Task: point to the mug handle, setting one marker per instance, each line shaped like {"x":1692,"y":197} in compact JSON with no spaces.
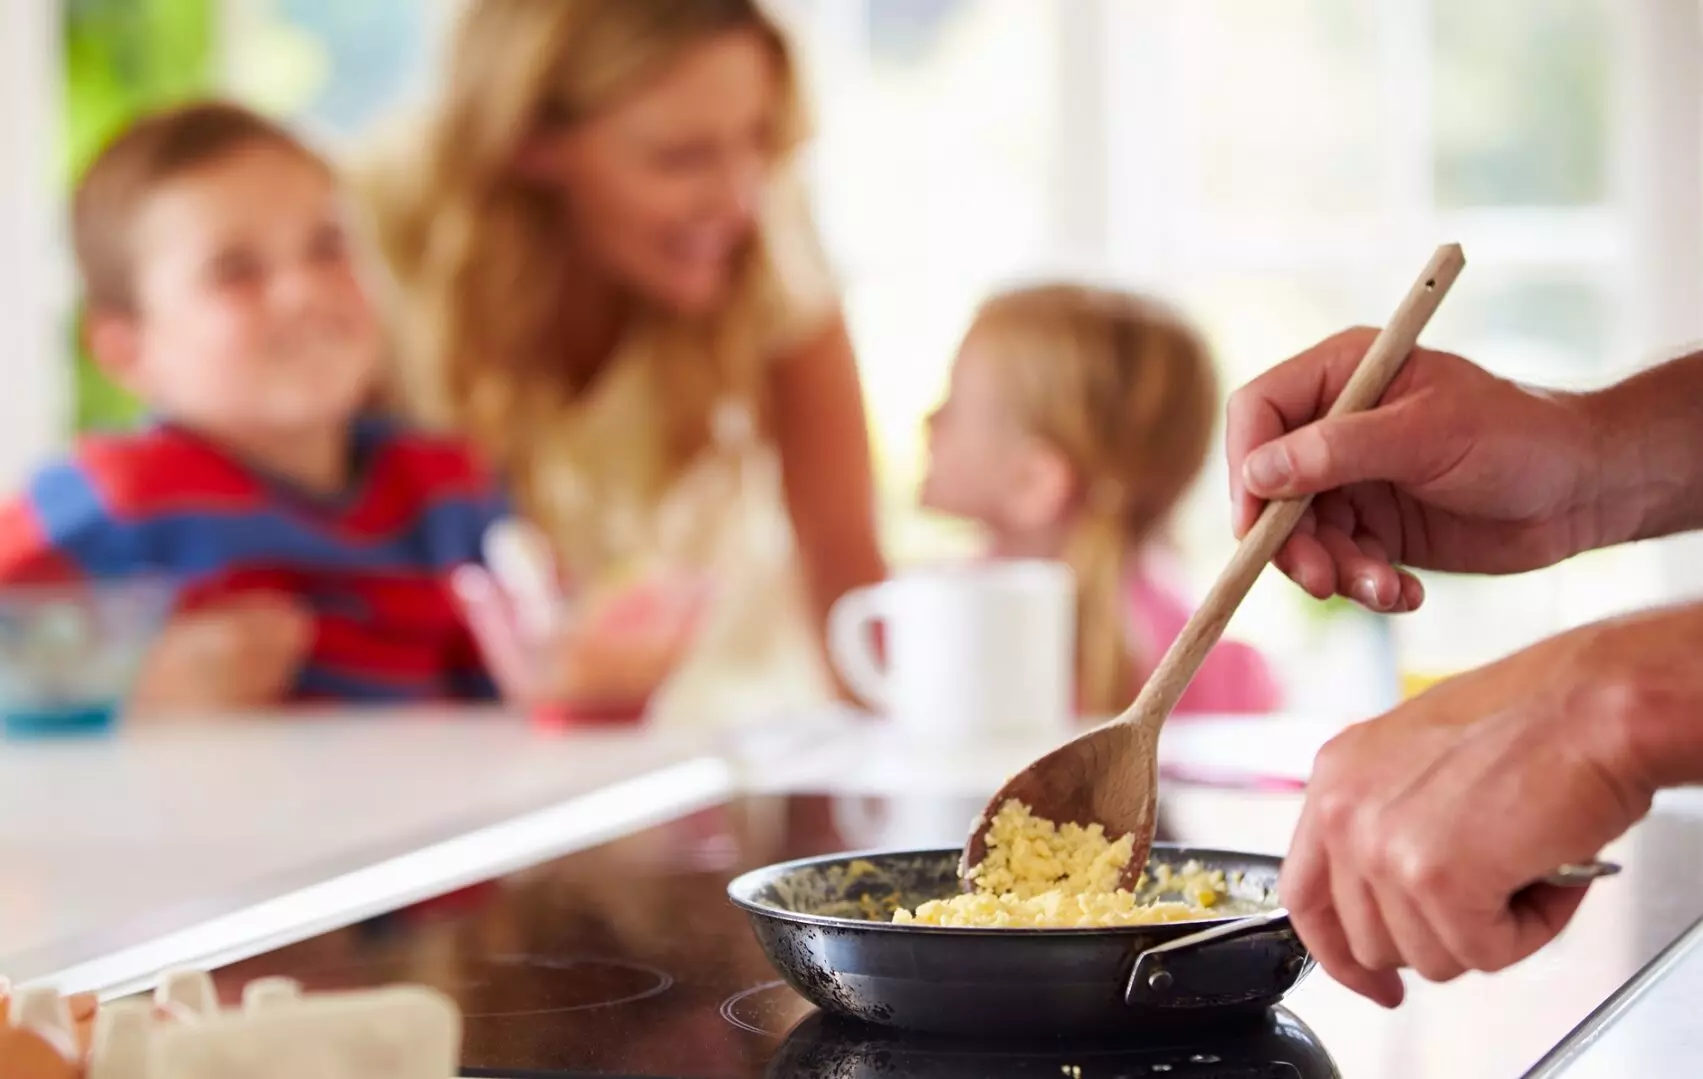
{"x":851,"y":645}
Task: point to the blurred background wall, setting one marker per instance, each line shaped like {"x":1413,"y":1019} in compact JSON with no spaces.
{"x":1279,"y":167}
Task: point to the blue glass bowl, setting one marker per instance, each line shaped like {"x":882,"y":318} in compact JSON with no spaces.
{"x":70,"y":653}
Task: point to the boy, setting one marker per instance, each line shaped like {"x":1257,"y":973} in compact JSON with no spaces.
{"x":222,"y":292}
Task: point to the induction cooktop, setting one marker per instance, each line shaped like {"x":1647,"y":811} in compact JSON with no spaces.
{"x":627,"y":960}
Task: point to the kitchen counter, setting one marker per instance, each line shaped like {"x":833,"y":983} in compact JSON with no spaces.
{"x":206,"y":842}
{"x":194,"y":842}
{"x":1649,"y":1027}
{"x":235,"y":840}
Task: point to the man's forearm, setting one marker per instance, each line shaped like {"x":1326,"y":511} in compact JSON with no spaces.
{"x":1650,"y":444}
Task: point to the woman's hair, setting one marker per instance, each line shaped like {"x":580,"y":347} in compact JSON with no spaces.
{"x":471,"y":247}
{"x":1125,"y":390}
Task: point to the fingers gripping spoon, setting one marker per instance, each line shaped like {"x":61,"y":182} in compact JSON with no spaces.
{"x":1110,"y":775}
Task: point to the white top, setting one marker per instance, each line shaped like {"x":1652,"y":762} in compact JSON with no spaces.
{"x":726,"y":513}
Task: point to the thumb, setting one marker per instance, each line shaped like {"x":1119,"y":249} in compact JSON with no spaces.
{"x":1387,"y":444}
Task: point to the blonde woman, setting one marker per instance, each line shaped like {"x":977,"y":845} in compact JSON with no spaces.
{"x":604,"y":274}
{"x":1075,"y":422}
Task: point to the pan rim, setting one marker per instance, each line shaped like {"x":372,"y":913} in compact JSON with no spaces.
{"x":743,"y":883}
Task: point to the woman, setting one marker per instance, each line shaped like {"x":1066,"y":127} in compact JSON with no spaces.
{"x":605,"y":275}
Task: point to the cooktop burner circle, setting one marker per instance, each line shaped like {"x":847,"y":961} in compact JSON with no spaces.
{"x":771,"y":1009}
{"x":586,"y":982}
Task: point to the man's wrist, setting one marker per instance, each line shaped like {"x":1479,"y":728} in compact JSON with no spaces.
{"x":1646,"y":452}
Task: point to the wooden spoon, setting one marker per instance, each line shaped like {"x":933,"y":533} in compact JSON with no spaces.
{"x":1110,"y":775}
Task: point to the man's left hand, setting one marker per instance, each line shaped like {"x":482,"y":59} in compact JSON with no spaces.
{"x":1424,"y":830}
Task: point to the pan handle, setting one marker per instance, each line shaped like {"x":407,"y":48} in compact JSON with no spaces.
{"x":1149,"y":975}
{"x":1578,"y":874}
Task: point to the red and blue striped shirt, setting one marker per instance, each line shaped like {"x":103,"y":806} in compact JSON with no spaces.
{"x":371,"y":563}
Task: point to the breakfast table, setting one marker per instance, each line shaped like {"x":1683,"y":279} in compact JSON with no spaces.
{"x":226,"y":844}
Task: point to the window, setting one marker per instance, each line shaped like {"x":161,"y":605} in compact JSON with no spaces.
{"x":935,"y":119}
{"x":1281,"y":169}
{"x":337,"y":68}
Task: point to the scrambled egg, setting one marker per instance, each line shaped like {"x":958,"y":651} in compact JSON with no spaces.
{"x":1038,"y":874}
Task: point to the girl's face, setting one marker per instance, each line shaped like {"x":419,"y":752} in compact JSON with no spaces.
{"x":662,"y":190}
{"x":978,"y":450}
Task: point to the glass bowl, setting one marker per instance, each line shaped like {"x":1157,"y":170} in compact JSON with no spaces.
{"x":70,"y":653}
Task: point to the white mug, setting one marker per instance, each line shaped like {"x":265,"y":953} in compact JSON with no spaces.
{"x":978,"y":648}
{"x":904,"y":821}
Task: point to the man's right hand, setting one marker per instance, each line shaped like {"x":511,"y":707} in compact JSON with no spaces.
{"x":1456,"y":470}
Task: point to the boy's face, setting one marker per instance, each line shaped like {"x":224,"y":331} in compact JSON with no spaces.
{"x":249,"y":315}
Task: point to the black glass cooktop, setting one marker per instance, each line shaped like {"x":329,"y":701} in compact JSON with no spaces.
{"x":627,"y":960}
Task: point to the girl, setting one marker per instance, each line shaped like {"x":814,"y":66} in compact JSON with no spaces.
{"x":1076,"y":419}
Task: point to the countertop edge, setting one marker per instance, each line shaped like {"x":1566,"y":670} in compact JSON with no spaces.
{"x":1606,"y":1015}
{"x":462,"y":860}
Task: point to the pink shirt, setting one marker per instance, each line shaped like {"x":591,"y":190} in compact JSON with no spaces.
{"x":1235,"y":678}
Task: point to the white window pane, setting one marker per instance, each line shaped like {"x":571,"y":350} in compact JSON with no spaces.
{"x":1552,"y":328}
{"x":933,"y":178}
{"x":934,"y":143}
{"x":1522,"y":100}
{"x":906,"y":330}
{"x":1282,"y":100}
{"x":1254,"y":320}
{"x":334,"y":66}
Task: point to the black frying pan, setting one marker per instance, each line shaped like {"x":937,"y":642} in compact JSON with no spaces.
{"x":825,"y":925}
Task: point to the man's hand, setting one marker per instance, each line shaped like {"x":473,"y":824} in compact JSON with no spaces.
{"x":239,"y":654}
{"x":1456,"y":470}
{"x":1424,"y":830}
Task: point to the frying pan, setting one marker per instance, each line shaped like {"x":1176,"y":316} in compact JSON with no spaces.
{"x":825,"y":924}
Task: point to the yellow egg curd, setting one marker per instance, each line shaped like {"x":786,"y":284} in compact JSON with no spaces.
{"x":1041,"y":875}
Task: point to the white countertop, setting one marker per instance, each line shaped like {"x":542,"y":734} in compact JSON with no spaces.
{"x":1648,"y":1028}
{"x":245,"y":834}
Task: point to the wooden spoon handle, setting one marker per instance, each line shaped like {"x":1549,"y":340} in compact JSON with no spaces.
{"x":1365,"y":386}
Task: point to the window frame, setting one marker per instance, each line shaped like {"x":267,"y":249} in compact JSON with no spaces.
{"x":34,"y":270}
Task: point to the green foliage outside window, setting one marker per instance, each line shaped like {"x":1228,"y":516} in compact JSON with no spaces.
{"x":123,"y":58}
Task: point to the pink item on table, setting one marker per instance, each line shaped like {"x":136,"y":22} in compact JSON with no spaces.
{"x":515,"y":660}
{"x":624,"y":632}
{"x":1229,"y":779}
